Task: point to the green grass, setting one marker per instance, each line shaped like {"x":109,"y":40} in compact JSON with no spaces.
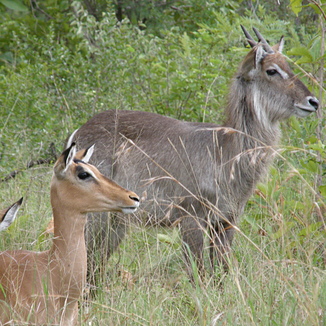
{"x":57,"y":78}
{"x":273,"y":280}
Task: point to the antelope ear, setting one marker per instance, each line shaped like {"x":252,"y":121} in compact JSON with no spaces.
{"x":69,"y":155}
{"x":10,"y":215}
{"x":70,"y":139}
{"x":64,"y":161}
{"x":85,"y":154}
{"x":88,"y":153}
{"x":260,"y":54}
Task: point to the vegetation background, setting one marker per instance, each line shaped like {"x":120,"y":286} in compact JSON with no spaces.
{"x":62,"y":61}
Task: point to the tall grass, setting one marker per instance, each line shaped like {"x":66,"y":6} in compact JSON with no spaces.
{"x":277,"y":265}
{"x":273,"y":279}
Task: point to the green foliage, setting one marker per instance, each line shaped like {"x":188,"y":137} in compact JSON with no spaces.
{"x":59,"y":65}
{"x":75,"y":69}
{"x":16,"y":5}
{"x":296,"y":6}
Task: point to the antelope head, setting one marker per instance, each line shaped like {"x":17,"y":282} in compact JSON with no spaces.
{"x":80,"y":186}
{"x":273,"y":83}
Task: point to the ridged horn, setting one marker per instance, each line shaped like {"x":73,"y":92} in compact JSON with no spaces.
{"x":250,"y":40}
{"x":261,"y":38}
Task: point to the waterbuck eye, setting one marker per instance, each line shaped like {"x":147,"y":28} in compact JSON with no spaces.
{"x":271,"y":72}
{"x":83,"y":175}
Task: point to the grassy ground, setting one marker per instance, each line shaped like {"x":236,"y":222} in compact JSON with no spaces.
{"x":55,"y":83}
{"x":274,"y":279}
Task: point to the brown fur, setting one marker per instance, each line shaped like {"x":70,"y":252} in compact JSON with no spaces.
{"x":44,"y":287}
{"x":198,"y":175}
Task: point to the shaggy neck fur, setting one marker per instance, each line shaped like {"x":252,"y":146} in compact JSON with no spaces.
{"x":251,"y":137}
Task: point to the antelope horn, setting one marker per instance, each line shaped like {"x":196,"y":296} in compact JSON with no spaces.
{"x":261,"y":38}
{"x":250,"y":40}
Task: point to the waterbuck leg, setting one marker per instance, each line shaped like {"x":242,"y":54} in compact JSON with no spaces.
{"x":221,"y":236}
{"x":193,"y":242}
{"x":103,"y":235}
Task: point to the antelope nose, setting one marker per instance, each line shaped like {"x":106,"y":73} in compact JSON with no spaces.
{"x":134,"y":198}
{"x":314,"y":102}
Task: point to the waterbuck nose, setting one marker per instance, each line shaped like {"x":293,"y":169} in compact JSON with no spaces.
{"x":313,"y":102}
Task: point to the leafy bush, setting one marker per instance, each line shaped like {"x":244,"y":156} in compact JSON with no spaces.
{"x":59,"y":65}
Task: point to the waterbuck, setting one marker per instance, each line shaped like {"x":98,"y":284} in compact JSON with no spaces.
{"x":198,"y":176}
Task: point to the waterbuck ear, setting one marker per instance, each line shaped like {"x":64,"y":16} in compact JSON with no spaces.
{"x":64,"y":161}
{"x":260,"y":54}
{"x":279,"y":46}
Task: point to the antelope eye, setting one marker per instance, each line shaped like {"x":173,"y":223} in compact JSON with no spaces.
{"x":271,"y":72}
{"x":83,"y":175}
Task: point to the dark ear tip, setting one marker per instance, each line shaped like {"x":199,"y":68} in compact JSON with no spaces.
{"x":67,"y":151}
{"x":89,"y":147}
{"x":19,"y":202}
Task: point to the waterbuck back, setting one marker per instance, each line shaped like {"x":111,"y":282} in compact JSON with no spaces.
{"x":198,"y":175}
